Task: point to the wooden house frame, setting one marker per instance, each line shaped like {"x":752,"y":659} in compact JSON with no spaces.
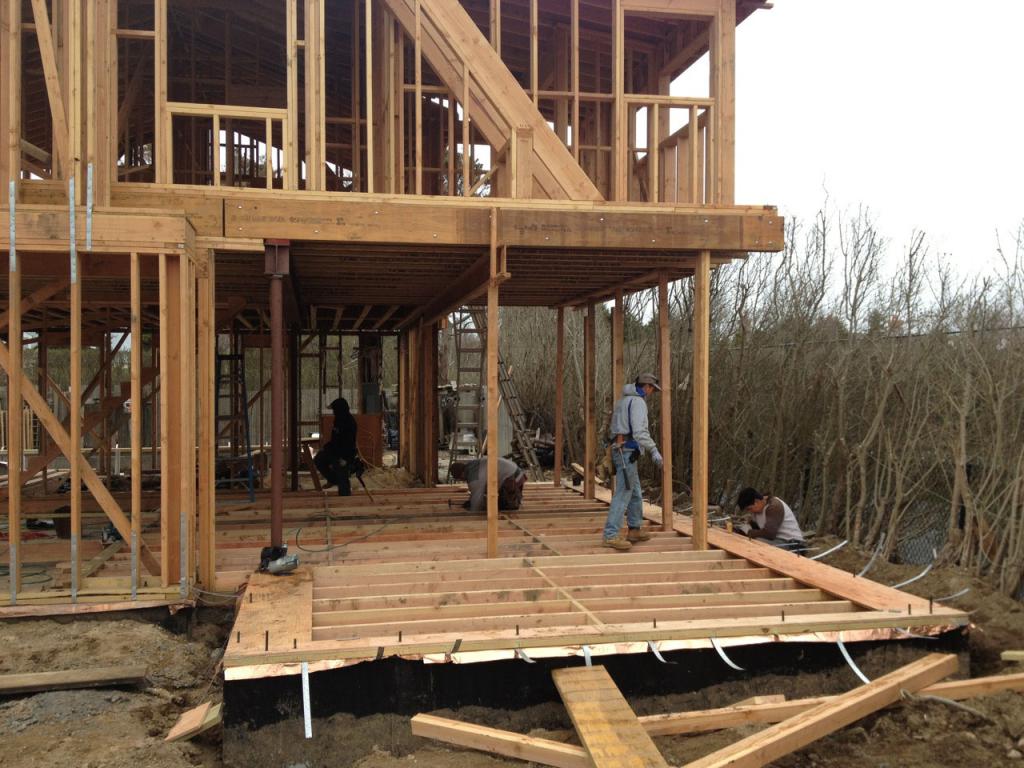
{"x":175,"y":170}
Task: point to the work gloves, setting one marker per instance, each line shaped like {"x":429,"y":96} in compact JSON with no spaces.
{"x":657,"y":458}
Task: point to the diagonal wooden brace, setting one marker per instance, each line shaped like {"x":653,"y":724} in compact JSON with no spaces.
{"x":92,"y":481}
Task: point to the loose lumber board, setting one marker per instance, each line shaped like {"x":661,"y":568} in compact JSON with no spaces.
{"x":98,"y":677}
{"x":604,"y":721}
{"x":757,"y":709}
{"x":194,"y":721}
{"x":1012,"y":656}
{"x":802,"y":729}
{"x":507,"y":743}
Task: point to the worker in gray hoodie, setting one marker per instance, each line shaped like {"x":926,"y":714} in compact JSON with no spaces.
{"x":630,"y":438}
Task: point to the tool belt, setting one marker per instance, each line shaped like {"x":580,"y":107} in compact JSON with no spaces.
{"x":619,"y":443}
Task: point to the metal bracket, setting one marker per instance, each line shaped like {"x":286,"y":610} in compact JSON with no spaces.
{"x":726,"y":659}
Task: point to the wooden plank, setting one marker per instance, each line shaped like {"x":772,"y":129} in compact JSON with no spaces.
{"x":802,"y":729}
{"x":746,"y":713}
{"x":607,"y":727}
{"x":1012,"y":656}
{"x":493,"y":740}
{"x":194,"y":721}
{"x":99,"y":677}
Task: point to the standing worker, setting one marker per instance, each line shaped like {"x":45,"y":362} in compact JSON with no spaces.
{"x":630,"y":438}
{"x":511,"y":480}
{"x":338,"y":459}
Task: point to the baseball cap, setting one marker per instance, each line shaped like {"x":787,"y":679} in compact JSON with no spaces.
{"x":649,"y":378}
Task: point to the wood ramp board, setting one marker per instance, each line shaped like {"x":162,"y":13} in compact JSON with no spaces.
{"x":98,"y":677}
{"x":194,"y":721}
{"x":800,"y":730}
{"x":498,"y":742}
{"x":1017,"y":656}
{"x":604,"y":721}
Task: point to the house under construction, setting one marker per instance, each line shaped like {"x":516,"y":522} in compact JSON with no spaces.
{"x":199,"y":181}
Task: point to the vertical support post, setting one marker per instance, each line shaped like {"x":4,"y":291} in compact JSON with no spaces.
{"x":418,"y":106}
{"x":10,"y":94}
{"x":467,"y":180}
{"x":136,"y":418}
{"x":291,"y":129}
{"x":75,"y":96}
{"x":170,"y":418}
{"x":493,"y":394}
{"x":559,"y":396}
{"x":404,"y":385}
{"x":620,"y":148}
{"x":665,"y":375}
{"x":618,"y":344}
{"x":14,"y":405}
{"x":368,"y":26}
{"x":187,"y":417}
{"x":534,"y":66}
{"x":276,"y":258}
{"x":163,"y":155}
{"x":575,"y":23}
{"x":315,"y":106}
{"x":294,"y":405}
{"x":701,"y":364}
{"x":75,"y":395}
{"x":206,"y":351}
{"x":723,"y":90}
{"x":590,"y":431}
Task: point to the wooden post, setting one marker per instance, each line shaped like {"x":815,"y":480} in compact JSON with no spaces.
{"x":403,"y":399}
{"x":701,"y":363}
{"x":618,"y":342}
{"x":14,"y":419}
{"x":559,"y":396}
{"x":75,"y":396}
{"x":369,"y":95}
{"x":723,"y":90}
{"x":163,"y":158}
{"x":665,"y":376}
{"x":136,"y":418}
{"x":187,"y":398}
{"x":418,"y":106}
{"x":590,"y":432}
{"x":207,"y":426}
{"x":316,"y":125}
{"x":10,"y":95}
{"x":493,"y":394}
{"x":291,"y":130}
{"x":170,"y":418}
{"x":620,"y":144}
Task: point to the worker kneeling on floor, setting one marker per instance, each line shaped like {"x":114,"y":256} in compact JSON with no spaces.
{"x":630,"y":439}
{"x":511,"y":480}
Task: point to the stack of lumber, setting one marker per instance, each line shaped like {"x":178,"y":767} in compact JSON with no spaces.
{"x":612,"y":735}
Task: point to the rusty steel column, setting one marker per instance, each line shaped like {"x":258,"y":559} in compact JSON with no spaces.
{"x":276,"y":254}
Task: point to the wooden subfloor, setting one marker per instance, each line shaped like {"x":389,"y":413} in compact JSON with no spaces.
{"x":405,"y":574}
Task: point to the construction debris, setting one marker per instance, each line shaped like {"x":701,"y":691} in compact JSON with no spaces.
{"x":194,"y":721}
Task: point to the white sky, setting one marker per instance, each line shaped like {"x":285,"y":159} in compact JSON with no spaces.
{"x":914,"y":108}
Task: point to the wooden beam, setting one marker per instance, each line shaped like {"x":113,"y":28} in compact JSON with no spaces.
{"x":136,"y":416}
{"x":64,"y":680}
{"x":170,"y":419}
{"x":493,"y":740}
{"x":701,"y":390}
{"x":385,"y":317}
{"x":665,"y":376}
{"x":10,"y":96}
{"x":362,"y":316}
{"x":798,"y":731}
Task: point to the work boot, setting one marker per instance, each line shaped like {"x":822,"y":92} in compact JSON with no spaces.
{"x":618,"y":543}
{"x":638,"y":534}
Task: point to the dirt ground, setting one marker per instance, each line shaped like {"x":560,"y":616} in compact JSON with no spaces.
{"x":122,"y":728}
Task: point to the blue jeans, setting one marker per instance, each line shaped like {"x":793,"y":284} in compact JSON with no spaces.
{"x":628,"y":500}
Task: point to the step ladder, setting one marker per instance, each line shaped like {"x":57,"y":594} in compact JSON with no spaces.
{"x":522,"y":442}
{"x":231,"y":415}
